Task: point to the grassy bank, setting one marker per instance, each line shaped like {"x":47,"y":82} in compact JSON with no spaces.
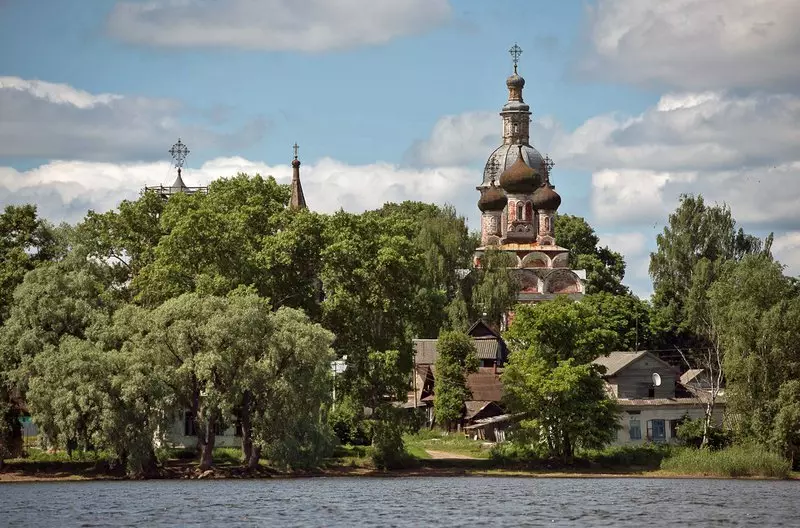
{"x":734,"y":461}
{"x":639,"y":461}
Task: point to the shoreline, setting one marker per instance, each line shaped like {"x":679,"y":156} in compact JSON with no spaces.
{"x":14,"y":475}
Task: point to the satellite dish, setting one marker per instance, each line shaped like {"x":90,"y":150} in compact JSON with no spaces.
{"x":656,"y":379}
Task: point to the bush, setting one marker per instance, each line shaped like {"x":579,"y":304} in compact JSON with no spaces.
{"x":511,"y":452}
{"x":348,"y":423}
{"x":734,"y":461}
{"x":388,"y":449}
{"x":647,"y":456}
{"x":690,"y":432}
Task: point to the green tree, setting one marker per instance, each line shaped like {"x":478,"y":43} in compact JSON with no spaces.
{"x":565,"y":406}
{"x":456,"y":359}
{"x":561,"y":329}
{"x":550,"y":378}
{"x":626,"y":315}
{"x":495,"y":288}
{"x":695,"y":232}
{"x":25,"y":242}
{"x":605,"y":269}
{"x":212,"y":242}
{"x":755,"y":310}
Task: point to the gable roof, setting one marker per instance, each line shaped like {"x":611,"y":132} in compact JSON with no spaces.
{"x":481,"y":329}
{"x":425,"y":350}
{"x":618,"y":361}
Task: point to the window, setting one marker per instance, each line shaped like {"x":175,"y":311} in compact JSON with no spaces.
{"x":528,"y":211}
{"x":519,"y":211}
{"x":656,"y":430}
{"x":635,"y":429}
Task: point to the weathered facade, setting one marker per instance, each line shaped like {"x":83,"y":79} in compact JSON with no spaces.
{"x":651,"y":408}
{"x":518,"y":204}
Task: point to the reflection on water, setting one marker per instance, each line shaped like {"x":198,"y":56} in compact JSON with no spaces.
{"x":435,"y":501}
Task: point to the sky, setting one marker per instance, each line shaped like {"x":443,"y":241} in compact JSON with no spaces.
{"x":636,"y":101}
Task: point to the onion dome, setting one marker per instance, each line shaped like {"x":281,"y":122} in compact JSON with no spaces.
{"x":492,"y":199}
{"x":504,"y":157}
{"x":515,"y":81}
{"x":519,"y":178}
{"x":546,"y":198}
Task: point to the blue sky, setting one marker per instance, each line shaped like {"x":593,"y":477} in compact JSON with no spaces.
{"x":636,"y":101}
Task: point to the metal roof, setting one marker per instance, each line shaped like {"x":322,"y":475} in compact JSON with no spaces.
{"x":425,"y":350}
{"x":616,"y":361}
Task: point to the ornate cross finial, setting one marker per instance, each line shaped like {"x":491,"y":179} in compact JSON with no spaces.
{"x":179,"y":153}
{"x":548,"y":164}
{"x":515,"y":52}
{"x":296,"y":147}
{"x":493,"y":166}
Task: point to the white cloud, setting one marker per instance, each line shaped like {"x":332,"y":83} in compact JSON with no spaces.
{"x":48,"y":120}
{"x":634,"y":246}
{"x":65,"y":190}
{"x":742,"y":150}
{"x":470,"y":137}
{"x":690,"y":131}
{"x":297,"y":25}
{"x":695,"y":44}
{"x":786,"y":248}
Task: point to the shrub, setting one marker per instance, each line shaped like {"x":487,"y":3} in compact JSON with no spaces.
{"x":630,"y":456}
{"x":690,"y":432}
{"x":734,"y":461}
{"x":348,"y":423}
{"x":388,"y":449}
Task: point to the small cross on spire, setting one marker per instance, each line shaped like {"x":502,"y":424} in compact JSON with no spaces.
{"x":295,"y":147}
{"x":548,"y":164}
{"x":515,"y":52}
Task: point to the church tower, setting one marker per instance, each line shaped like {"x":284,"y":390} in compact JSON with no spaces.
{"x":298,"y":199}
{"x":518,"y":216}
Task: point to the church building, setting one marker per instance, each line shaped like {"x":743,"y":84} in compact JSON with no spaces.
{"x":518,"y":204}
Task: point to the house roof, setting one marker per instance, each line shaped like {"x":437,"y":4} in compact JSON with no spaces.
{"x":485,"y":385}
{"x":617,"y":361}
{"x":690,"y":375}
{"x":672,"y":402}
{"x":425,"y":349}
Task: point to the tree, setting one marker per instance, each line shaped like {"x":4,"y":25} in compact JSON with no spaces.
{"x":626,"y":315}
{"x":68,"y":297}
{"x":755,"y":311}
{"x":495,"y":288}
{"x":212,"y":242}
{"x":561,"y":329}
{"x":695,"y":231}
{"x":564,"y":407}
{"x":25,"y":242}
{"x":456,"y":359}
{"x":551,"y":381}
{"x":90,"y":398}
{"x":605,"y":269}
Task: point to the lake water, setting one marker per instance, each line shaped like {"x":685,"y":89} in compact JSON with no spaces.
{"x":418,"y":502}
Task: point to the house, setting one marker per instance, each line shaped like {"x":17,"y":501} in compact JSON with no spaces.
{"x":652,"y":399}
{"x":485,"y":386}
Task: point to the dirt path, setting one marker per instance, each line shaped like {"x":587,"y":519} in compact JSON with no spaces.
{"x":441,"y":455}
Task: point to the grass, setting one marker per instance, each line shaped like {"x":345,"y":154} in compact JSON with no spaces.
{"x":39,"y":455}
{"x":418,"y":443}
{"x":734,"y":461}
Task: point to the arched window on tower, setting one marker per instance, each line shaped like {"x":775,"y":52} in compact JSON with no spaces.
{"x":529,"y":211}
{"x":547,"y":223}
{"x":519,"y":211}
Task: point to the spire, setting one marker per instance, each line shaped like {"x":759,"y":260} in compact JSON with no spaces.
{"x":516,"y":114}
{"x":179,"y":151}
{"x":298,"y":200}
